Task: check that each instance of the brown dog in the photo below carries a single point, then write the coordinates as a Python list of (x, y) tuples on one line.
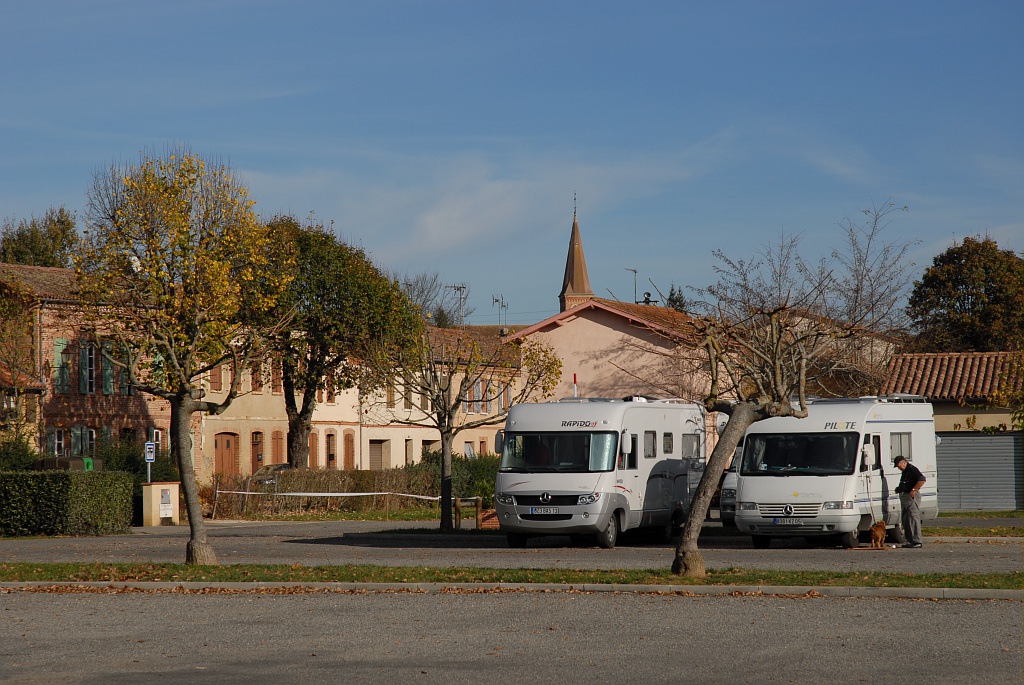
[(878, 535)]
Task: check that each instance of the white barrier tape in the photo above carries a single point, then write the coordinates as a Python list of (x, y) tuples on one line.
[(325, 494)]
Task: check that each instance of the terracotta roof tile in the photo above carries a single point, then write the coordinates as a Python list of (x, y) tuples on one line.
[(10, 379), (955, 375), (39, 281)]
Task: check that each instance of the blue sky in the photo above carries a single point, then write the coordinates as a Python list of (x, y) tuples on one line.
[(452, 136)]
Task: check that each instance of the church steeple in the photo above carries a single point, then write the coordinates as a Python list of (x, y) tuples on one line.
[(576, 284)]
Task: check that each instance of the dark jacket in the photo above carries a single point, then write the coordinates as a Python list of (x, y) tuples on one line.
[(911, 477)]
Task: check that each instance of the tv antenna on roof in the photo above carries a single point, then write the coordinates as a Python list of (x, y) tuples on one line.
[(460, 288), (634, 284), (502, 305)]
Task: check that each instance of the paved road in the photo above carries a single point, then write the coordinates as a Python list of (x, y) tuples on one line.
[(533, 638), (410, 544)]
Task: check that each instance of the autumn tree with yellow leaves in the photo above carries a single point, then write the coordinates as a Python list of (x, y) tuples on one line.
[(180, 276)]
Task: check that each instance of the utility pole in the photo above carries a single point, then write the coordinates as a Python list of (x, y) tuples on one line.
[(634, 284)]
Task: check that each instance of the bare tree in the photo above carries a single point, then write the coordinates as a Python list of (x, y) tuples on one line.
[(452, 368), (774, 327), (440, 303)]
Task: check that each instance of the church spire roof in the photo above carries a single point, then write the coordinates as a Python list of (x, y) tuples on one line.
[(576, 284)]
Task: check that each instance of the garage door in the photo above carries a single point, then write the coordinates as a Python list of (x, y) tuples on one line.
[(980, 472)]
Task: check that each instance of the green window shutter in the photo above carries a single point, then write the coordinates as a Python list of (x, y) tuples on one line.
[(105, 433), (77, 440), (61, 372), (83, 369), (108, 370)]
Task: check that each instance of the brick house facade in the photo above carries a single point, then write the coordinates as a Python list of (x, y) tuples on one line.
[(83, 399)]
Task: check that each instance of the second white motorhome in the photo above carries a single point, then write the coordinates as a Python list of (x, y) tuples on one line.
[(832, 473), (592, 468)]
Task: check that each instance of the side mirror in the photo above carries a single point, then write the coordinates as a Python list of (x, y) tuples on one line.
[(625, 444), (499, 441), (867, 458)]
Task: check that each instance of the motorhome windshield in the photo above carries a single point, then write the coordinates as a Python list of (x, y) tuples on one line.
[(786, 454), (558, 452)]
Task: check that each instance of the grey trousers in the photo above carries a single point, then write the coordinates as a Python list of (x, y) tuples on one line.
[(911, 517)]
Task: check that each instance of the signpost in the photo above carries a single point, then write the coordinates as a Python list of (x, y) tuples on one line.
[(150, 458)]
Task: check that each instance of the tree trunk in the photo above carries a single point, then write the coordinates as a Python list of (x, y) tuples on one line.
[(689, 561), (446, 483), (299, 426), (300, 419), (198, 550)]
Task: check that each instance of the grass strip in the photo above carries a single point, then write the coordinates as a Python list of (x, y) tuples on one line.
[(973, 532), (57, 573)]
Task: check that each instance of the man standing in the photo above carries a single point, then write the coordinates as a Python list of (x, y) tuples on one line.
[(910, 499)]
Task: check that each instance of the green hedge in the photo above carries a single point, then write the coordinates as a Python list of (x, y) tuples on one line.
[(65, 503)]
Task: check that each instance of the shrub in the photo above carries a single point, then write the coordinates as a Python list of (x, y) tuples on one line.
[(16, 454), (471, 478), (130, 458), (65, 503)]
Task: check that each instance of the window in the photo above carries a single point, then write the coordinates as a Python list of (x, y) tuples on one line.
[(83, 441), (124, 378), (899, 446), (61, 367), (156, 436), (629, 461), (332, 450), (689, 446), (87, 369), (424, 403), (256, 377), (873, 443), (650, 444), (58, 442), (478, 392), (666, 443), (407, 393), (468, 451), (488, 393), (276, 447), (391, 397), (216, 379), (276, 379), (107, 369), (257, 446)]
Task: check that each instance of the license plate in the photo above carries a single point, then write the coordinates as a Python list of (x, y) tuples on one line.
[(788, 522), (543, 510)]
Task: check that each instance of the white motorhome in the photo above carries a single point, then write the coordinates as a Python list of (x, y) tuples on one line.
[(592, 468), (832, 473)]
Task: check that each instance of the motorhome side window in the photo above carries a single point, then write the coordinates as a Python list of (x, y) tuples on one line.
[(650, 444), (689, 446), (666, 443), (629, 461), (899, 445)]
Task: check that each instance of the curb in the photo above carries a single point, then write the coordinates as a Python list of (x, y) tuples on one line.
[(440, 588)]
